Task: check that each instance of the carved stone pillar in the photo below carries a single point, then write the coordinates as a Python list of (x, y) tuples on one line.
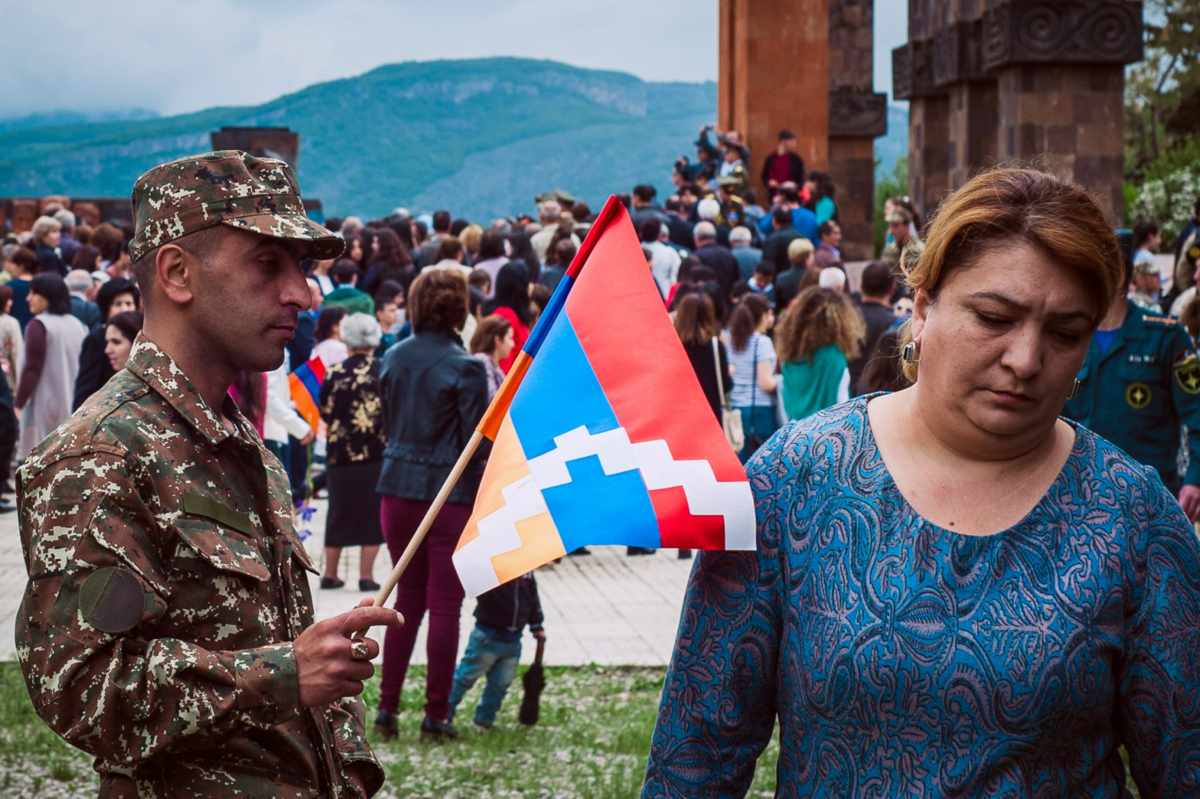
[(774, 74)]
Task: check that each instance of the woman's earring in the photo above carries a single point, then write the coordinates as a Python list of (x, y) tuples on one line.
[(908, 353), (1074, 390)]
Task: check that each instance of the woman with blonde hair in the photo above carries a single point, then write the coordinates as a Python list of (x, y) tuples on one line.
[(790, 282), (47, 233), (955, 591), (816, 338)]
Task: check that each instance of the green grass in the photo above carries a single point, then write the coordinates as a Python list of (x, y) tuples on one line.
[(591, 741)]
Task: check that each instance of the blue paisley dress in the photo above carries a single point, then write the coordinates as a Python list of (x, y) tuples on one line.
[(902, 659)]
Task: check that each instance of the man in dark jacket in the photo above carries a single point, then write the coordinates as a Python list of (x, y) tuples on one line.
[(783, 165), (716, 257), (776, 247), (494, 647)]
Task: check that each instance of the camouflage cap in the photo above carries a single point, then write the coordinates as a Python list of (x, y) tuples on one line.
[(227, 187)]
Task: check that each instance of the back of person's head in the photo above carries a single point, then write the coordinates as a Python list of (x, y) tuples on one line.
[(65, 218), (782, 217), (333, 223), (816, 318), (480, 281), (1143, 229), (877, 280), (702, 273), (129, 323), (799, 252), (330, 317), (487, 331), (475, 301), (437, 300), (790, 193), (24, 259), (108, 239), (673, 205), (392, 250), (344, 272), (6, 296), (745, 318), (708, 209), (108, 293), (740, 235), (832, 277), (86, 258), (79, 280), (704, 231), (1010, 207), (882, 371), (451, 248), (458, 226), (360, 331), (825, 184), (441, 221), (564, 252), (649, 229), (695, 318), (53, 289), (491, 245), (644, 193), (512, 291)]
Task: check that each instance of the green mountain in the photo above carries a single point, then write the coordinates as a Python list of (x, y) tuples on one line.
[(478, 137)]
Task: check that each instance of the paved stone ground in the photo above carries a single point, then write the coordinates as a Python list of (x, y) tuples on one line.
[(606, 608)]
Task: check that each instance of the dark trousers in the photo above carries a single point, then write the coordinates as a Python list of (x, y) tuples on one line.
[(9, 431), (429, 583)]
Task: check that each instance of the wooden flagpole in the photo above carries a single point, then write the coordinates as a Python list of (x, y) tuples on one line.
[(451, 480)]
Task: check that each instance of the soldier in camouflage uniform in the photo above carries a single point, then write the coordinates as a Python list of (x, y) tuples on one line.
[(904, 245), (167, 626)]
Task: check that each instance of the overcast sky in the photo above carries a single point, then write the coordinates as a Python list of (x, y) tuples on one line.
[(174, 56)]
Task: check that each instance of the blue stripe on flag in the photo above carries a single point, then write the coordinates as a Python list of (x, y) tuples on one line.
[(309, 380), (561, 393), (546, 320)]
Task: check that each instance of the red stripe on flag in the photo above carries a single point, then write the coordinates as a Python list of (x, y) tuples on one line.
[(678, 528)]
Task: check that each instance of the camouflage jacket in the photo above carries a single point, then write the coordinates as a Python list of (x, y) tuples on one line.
[(166, 584)]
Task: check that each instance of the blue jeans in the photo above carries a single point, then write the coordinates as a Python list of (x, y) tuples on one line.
[(486, 654)]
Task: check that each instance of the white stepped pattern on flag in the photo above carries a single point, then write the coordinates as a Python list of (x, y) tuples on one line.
[(523, 499)]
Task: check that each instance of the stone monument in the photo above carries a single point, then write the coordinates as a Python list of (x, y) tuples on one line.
[(806, 65), (999, 81)]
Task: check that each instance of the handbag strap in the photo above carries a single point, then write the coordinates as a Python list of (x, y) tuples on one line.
[(717, 370), (754, 376)]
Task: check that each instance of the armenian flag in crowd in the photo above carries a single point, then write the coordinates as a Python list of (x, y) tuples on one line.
[(304, 384), (602, 433)]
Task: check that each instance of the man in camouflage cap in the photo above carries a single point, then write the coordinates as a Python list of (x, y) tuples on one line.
[(167, 626)]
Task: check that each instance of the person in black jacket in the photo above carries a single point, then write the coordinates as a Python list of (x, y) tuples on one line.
[(783, 165), (116, 296), (494, 647)]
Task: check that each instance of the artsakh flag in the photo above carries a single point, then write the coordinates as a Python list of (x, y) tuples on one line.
[(602, 432), (305, 385)]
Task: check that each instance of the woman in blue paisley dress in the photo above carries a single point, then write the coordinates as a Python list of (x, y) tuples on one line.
[(956, 593)]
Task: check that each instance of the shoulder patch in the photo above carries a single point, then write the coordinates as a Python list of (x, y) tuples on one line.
[(112, 600)]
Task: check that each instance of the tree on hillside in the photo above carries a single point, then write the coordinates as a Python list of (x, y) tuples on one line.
[(1162, 92)]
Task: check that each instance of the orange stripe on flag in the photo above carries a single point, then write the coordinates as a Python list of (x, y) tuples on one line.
[(506, 465), (497, 412), (540, 544)]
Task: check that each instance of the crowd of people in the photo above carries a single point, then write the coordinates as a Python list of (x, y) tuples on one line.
[(416, 323)]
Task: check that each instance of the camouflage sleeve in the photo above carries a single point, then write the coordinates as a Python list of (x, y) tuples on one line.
[(98, 590), (349, 719)]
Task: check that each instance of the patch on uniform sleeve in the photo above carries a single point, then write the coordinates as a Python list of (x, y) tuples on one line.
[(112, 600), (1187, 372), (1137, 396)]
